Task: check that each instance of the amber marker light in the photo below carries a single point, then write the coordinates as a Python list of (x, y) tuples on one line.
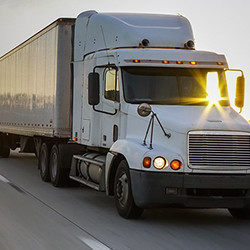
[(176, 164), (193, 63), (179, 62), (147, 162), (220, 63), (165, 61), (136, 61), (75, 139)]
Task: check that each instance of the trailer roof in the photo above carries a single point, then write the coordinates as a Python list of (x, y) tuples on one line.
[(40, 33)]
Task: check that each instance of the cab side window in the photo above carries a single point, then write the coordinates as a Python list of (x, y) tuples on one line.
[(112, 91)]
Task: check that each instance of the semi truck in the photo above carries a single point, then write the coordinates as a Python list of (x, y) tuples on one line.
[(125, 104)]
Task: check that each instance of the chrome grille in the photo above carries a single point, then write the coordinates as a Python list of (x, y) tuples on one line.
[(220, 150)]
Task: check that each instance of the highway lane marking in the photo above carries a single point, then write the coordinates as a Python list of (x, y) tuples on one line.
[(5, 180), (93, 244), (91, 241)]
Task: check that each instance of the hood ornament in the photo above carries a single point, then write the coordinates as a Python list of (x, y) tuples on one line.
[(145, 110)]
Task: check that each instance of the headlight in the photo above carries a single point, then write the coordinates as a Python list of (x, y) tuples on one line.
[(160, 162)]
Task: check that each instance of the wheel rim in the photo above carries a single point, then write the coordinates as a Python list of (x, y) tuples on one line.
[(54, 165), (43, 161), (122, 189)]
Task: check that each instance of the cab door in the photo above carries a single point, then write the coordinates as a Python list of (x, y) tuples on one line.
[(110, 120)]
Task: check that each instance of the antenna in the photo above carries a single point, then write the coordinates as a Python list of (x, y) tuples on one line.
[(105, 44)]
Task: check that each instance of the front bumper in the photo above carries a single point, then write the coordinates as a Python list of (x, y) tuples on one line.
[(154, 189)]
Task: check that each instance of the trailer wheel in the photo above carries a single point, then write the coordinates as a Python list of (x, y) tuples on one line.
[(124, 200), (43, 162), (5, 152), (59, 176), (240, 213)]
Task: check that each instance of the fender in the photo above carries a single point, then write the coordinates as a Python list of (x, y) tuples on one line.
[(132, 150)]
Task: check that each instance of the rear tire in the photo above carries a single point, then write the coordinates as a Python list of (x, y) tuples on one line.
[(124, 200), (59, 175), (43, 162), (240, 213)]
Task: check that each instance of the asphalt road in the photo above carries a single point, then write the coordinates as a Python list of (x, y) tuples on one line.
[(35, 215)]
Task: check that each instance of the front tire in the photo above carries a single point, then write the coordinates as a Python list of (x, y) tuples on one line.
[(240, 213), (124, 200)]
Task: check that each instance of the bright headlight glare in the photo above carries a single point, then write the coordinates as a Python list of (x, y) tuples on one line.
[(160, 162)]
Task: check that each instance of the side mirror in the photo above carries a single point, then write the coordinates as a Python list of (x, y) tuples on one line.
[(240, 92), (144, 109), (94, 88)]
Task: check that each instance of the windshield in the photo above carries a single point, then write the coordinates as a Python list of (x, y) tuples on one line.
[(175, 86)]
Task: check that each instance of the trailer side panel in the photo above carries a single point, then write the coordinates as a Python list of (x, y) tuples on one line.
[(35, 84)]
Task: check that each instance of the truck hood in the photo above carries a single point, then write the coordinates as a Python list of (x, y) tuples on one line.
[(182, 119)]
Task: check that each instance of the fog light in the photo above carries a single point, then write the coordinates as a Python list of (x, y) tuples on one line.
[(176, 164), (160, 162)]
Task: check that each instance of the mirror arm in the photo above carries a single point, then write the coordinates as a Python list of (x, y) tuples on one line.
[(168, 135), (243, 77), (151, 124), (237, 70)]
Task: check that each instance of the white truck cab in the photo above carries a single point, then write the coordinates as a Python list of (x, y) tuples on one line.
[(145, 98)]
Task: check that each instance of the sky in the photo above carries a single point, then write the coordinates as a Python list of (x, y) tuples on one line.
[(221, 26)]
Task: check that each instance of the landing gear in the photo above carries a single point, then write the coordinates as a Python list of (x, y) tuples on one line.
[(124, 201), (4, 148), (5, 152)]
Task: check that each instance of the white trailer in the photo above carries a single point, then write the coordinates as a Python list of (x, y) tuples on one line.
[(123, 103), (36, 84)]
